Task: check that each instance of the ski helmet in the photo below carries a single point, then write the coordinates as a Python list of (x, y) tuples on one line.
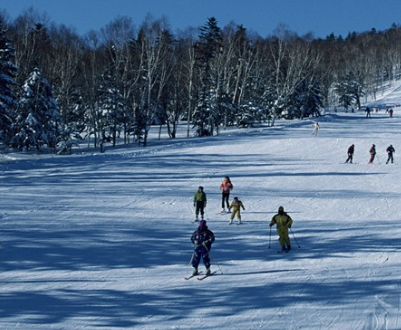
[(280, 209)]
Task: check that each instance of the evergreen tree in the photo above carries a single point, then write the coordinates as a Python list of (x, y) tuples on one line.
[(349, 91), (113, 110), (37, 117), (207, 48), (8, 73)]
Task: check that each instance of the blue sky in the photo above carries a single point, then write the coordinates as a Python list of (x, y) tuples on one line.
[(321, 17)]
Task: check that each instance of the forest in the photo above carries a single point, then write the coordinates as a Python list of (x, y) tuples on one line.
[(59, 88)]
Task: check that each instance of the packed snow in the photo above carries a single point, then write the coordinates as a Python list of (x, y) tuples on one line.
[(102, 241)]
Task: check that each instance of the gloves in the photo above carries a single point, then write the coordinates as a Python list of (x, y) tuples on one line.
[(271, 225), (194, 204), (196, 243)]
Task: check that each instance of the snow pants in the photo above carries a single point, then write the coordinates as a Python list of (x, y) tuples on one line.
[(349, 159), (372, 158), (390, 158), (201, 253), (236, 212), (224, 200), (200, 207), (284, 238)]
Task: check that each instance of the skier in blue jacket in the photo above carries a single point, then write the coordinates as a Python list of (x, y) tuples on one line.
[(203, 239)]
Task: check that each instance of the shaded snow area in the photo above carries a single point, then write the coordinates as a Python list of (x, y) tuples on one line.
[(102, 241)]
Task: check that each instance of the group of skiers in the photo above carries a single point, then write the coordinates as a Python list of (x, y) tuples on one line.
[(203, 237), (226, 186), (372, 151)]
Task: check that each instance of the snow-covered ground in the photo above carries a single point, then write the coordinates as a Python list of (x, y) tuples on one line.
[(102, 241)]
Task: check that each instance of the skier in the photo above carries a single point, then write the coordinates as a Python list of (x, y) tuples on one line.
[(315, 128), (283, 222), (236, 206), (390, 150), (367, 110), (200, 203), (350, 153), (226, 187), (372, 152), (203, 239)]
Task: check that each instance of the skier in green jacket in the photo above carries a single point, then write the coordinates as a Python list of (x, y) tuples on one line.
[(200, 203)]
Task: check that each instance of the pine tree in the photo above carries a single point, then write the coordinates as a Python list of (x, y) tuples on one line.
[(8, 85), (113, 109), (349, 91), (207, 48), (38, 117)]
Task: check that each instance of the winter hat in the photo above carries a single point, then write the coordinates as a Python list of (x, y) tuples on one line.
[(200, 187), (280, 209), (202, 224)]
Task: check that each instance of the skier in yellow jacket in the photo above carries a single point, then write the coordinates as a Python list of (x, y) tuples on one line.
[(236, 206), (283, 222)]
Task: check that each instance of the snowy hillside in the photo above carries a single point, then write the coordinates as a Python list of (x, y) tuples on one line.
[(102, 241)]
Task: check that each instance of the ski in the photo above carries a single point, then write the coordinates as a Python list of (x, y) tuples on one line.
[(189, 277), (286, 251), (205, 276)]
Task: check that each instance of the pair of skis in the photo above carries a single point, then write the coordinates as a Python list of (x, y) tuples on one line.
[(201, 277)]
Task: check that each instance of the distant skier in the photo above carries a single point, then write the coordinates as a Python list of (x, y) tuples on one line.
[(226, 187), (236, 205), (203, 239), (372, 152), (367, 110), (390, 150), (200, 203), (283, 222), (350, 153), (316, 128)]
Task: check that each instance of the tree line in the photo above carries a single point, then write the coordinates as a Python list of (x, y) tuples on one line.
[(57, 86)]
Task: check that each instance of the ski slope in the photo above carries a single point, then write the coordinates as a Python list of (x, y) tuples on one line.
[(102, 241)]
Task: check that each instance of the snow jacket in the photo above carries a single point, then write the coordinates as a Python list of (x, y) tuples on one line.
[(226, 187), (283, 221), (351, 150), (200, 197), (390, 150), (236, 205), (202, 239), (372, 151)]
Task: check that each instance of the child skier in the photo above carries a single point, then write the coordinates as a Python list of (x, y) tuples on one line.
[(236, 206), (283, 222), (200, 203), (203, 239)]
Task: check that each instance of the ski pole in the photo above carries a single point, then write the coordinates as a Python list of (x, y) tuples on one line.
[(270, 236), (377, 156), (294, 238), (215, 261), (192, 258)]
